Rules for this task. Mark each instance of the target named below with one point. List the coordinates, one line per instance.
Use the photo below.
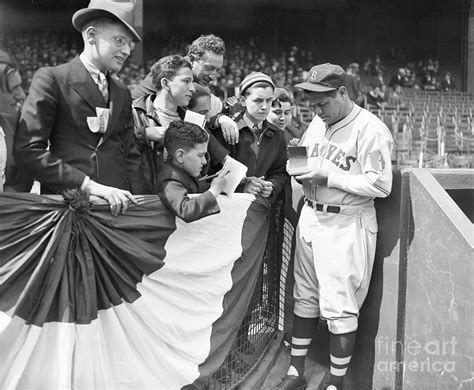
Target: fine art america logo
(426, 356)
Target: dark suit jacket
(174, 185)
(17, 180)
(60, 100)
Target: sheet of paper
(297, 160)
(237, 172)
(196, 118)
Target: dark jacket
(153, 153)
(16, 178)
(263, 156)
(60, 100)
(174, 185)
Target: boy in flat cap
(262, 149)
(85, 115)
(349, 157)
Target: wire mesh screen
(265, 313)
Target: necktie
(103, 86)
(256, 130)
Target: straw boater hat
(118, 10)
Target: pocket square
(98, 124)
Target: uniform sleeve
(374, 155)
(31, 140)
(189, 209)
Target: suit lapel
(116, 101)
(84, 85)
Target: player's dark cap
(324, 78)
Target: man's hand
(317, 176)
(118, 199)
(267, 189)
(230, 131)
(231, 101)
(254, 185)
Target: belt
(322, 207)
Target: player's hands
(219, 182)
(317, 176)
(254, 185)
(118, 199)
(267, 189)
(294, 142)
(230, 130)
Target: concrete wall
(415, 328)
(438, 343)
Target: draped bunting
(142, 301)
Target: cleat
(292, 382)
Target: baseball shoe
(292, 382)
(324, 385)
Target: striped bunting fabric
(139, 301)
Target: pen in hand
(207, 177)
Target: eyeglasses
(119, 41)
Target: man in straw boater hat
(85, 114)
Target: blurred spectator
(394, 95)
(353, 82)
(447, 83)
(398, 79)
(376, 96)
(430, 83)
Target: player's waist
(339, 209)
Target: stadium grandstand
(411, 63)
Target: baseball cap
(324, 78)
(252, 78)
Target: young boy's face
(258, 102)
(181, 87)
(194, 159)
(280, 115)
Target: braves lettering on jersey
(335, 246)
(357, 153)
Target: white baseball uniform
(337, 229)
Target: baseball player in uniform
(349, 163)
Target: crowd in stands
(372, 83)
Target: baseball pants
(333, 264)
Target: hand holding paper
(219, 182)
(297, 160)
(236, 173)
